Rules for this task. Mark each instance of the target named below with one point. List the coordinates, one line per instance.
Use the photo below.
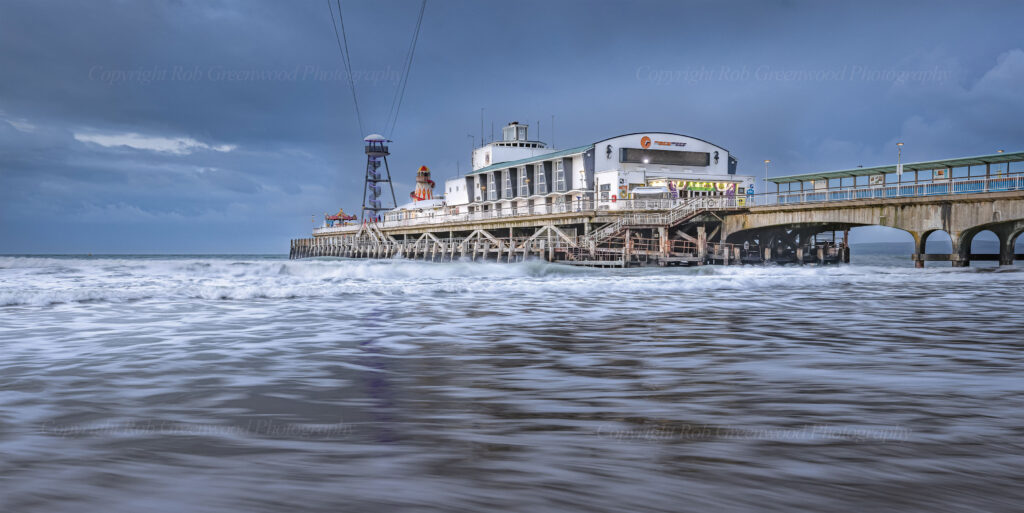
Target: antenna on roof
(481, 126)
(552, 131)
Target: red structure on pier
(424, 185)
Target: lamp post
(766, 162)
(899, 162)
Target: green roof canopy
(546, 156)
(995, 158)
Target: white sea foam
(44, 281)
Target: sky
(224, 126)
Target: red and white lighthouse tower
(424, 185)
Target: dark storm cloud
(221, 126)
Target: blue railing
(964, 185)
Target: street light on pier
(766, 162)
(899, 162)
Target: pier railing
(668, 211)
(406, 219)
(940, 187)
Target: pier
(805, 221)
(688, 233)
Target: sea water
(241, 383)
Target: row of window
(540, 185)
(519, 145)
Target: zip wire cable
(396, 103)
(345, 59)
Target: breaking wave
(39, 281)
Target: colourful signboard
(726, 188)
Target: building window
(559, 177)
(524, 182)
(492, 191)
(508, 183)
(542, 180)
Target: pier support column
(1006, 245)
(627, 247)
(800, 255)
(961, 250)
(551, 246)
(702, 245)
(1006, 254)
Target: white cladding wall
(455, 192)
(606, 153)
(493, 154)
(614, 180)
(577, 178)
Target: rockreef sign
(645, 142)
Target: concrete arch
(793, 243)
(868, 234)
(972, 244)
(927, 235)
(1007, 232)
(803, 228)
(1015, 240)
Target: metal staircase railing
(669, 218)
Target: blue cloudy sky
(222, 126)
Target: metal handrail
(961, 185)
(683, 210)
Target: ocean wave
(37, 281)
